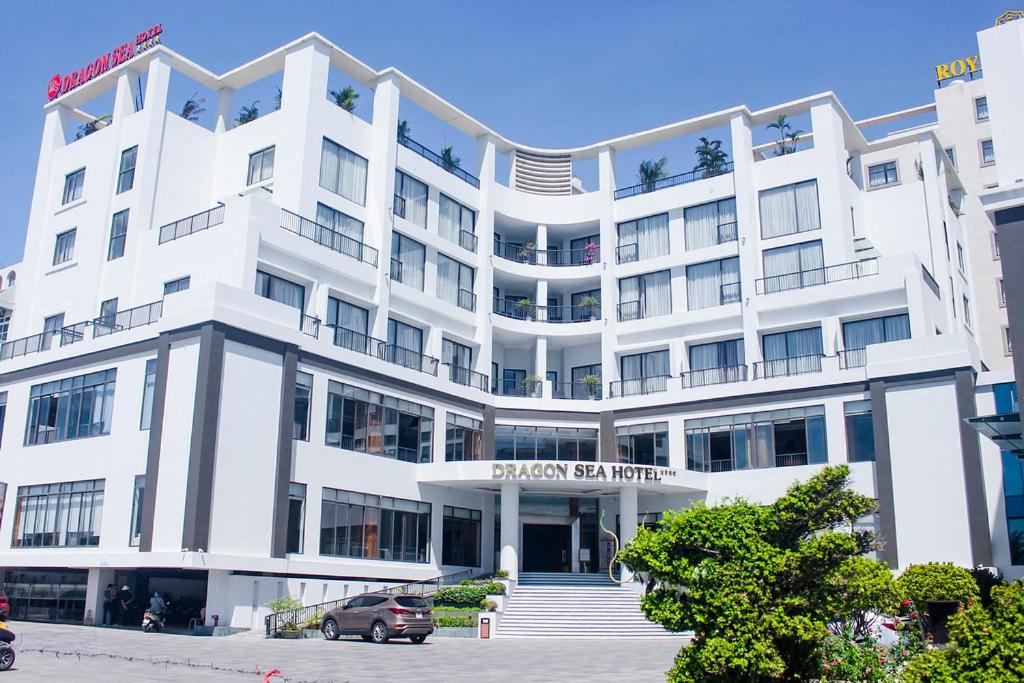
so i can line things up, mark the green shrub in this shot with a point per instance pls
(455, 621)
(284, 604)
(920, 583)
(469, 595)
(985, 645)
(501, 574)
(986, 582)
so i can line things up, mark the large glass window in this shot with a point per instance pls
(138, 491)
(643, 238)
(278, 289)
(369, 422)
(303, 395)
(410, 199)
(858, 334)
(459, 359)
(71, 408)
(148, 389)
(296, 517)
(860, 431)
(178, 285)
(645, 296)
(521, 442)
(883, 174)
(463, 438)
(645, 444)
(58, 515)
(261, 166)
(346, 234)
(64, 247)
(118, 235)
(126, 171)
(792, 353)
(713, 283)
(349, 323)
(454, 219)
(343, 172)
(73, 184)
(776, 438)
(460, 538)
(643, 373)
(407, 259)
(709, 224)
(585, 250)
(716, 363)
(789, 209)
(455, 282)
(405, 344)
(374, 527)
(793, 267)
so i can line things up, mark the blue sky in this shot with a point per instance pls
(543, 73)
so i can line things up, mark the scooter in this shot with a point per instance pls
(6, 651)
(152, 622)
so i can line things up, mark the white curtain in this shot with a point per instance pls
(797, 265)
(897, 327)
(700, 223)
(632, 366)
(860, 333)
(649, 234)
(656, 364)
(415, 194)
(656, 294)
(343, 172)
(447, 279)
(704, 357)
(778, 212)
(412, 254)
(703, 285)
(449, 219)
(405, 336)
(329, 166)
(807, 206)
(629, 291)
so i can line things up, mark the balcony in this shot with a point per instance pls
(580, 391)
(524, 388)
(638, 310)
(627, 253)
(466, 240)
(853, 358)
(639, 386)
(672, 181)
(192, 224)
(466, 299)
(558, 258)
(546, 314)
(378, 348)
(436, 158)
(127, 319)
(326, 237)
(467, 377)
(309, 325)
(399, 206)
(787, 367)
(852, 270)
(709, 376)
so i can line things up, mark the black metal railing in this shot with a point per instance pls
(355, 341)
(468, 378)
(327, 237)
(790, 459)
(192, 224)
(672, 181)
(785, 367)
(399, 206)
(729, 293)
(430, 155)
(852, 270)
(309, 325)
(638, 386)
(528, 388)
(26, 345)
(632, 310)
(853, 358)
(728, 232)
(396, 269)
(467, 240)
(722, 375)
(127, 319)
(577, 390)
(524, 310)
(466, 299)
(627, 253)
(408, 358)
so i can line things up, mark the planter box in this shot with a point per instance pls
(455, 632)
(500, 600)
(312, 633)
(289, 635)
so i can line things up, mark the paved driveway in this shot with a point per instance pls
(48, 652)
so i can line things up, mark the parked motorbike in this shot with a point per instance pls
(153, 622)
(6, 651)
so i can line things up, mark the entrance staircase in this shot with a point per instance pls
(575, 606)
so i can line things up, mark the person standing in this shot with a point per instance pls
(124, 599)
(109, 596)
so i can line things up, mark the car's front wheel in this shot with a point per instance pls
(331, 629)
(379, 632)
(418, 639)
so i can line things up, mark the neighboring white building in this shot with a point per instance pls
(305, 355)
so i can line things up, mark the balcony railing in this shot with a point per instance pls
(853, 358)
(192, 224)
(546, 314)
(26, 345)
(127, 319)
(408, 358)
(708, 376)
(729, 293)
(467, 377)
(627, 253)
(559, 258)
(576, 390)
(672, 181)
(817, 276)
(309, 325)
(355, 341)
(639, 386)
(635, 310)
(467, 300)
(70, 334)
(396, 269)
(454, 169)
(327, 237)
(785, 367)
(790, 459)
(528, 388)
(728, 232)
(467, 240)
(399, 206)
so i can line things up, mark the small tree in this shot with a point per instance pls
(449, 161)
(786, 144)
(759, 584)
(249, 112)
(651, 171)
(711, 160)
(345, 98)
(193, 107)
(403, 130)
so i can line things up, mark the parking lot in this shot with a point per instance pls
(73, 653)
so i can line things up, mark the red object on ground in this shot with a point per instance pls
(272, 672)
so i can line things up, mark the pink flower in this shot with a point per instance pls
(906, 603)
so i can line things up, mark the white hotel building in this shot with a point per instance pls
(304, 355)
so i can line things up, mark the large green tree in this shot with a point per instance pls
(760, 584)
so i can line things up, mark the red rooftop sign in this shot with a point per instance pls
(60, 85)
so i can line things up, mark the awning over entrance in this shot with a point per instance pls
(1004, 430)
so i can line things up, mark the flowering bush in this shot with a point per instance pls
(844, 659)
(920, 583)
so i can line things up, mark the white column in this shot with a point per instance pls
(627, 521)
(609, 285)
(540, 365)
(225, 98)
(380, 191)
(748, 224)
(574, 561)
(126, 94)
(509, 560)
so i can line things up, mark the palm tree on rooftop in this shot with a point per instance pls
(651, 171)
(193, 107)
(449, 161)
(711, 160)
(345, 98)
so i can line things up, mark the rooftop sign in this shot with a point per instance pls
(1009, 15)
(61, 85)
(958, 67)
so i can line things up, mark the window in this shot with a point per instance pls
(988, 153)
(645, 444)
(179, 285)
(407, 259)
(793, 267)
(349, 323)
(58, 515)
(945, 238)
(148, 389)
(3, 415)
(995, 246)
(460, 537)
(118, 235)
(108, 313)
(714, 283)
(71, 408)
(1001, 293)
(789, 209)
(370, 422)
(455, 283)
(860, 432)
(346, 234)
(716, 363)
(522, 442)
(261, 166)
(585, 250)
(52, 326)
(139, 490)
(374, 527)
(884, 174)
(73, 184)
(643, 238)
(951, 155)
(278, 289)
(775, 438)
(463, 439)
(459, 359)
(709, 224)
(981, 108)
(343, 172)
(64, 247)
(586, 305)
(792, 353)
(581, 387)
(406, 344)
(303, 394)
(645, 296)
(643, 373)
(296, 517)
(454, 220)
(126, 172)
(5, 323)
(858, 334)
(410, 199)
(1007, 344)
(960, 257)
(967, 312)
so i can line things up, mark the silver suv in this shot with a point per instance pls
(379, 618)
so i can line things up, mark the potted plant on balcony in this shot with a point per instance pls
(592, 304)
(527, 251)
(593, 385)
(403, 130)
(711, 159)
(449, 161)
(591, 253)
(526, 307)
(651, 171)
(786, 144)
(193, 107)
(530, 385)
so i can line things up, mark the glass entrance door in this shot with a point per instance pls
(547, 548)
